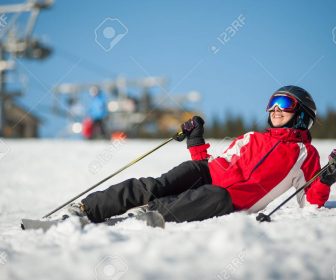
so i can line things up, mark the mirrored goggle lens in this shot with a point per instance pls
(283, 102)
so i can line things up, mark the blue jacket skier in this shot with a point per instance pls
(98, 113)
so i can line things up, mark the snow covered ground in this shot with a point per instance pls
(39, 175)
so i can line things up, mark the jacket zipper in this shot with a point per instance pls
(258, 164)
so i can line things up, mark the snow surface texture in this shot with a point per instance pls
(39, 175)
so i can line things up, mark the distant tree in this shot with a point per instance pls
(215, 128)
(325, 126)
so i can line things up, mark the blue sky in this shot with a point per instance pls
(279, 43)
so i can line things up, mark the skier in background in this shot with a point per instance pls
(97, 113)
(255, 169)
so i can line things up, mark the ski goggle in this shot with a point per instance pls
(285, 102)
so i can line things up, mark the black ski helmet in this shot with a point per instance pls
(305, 113)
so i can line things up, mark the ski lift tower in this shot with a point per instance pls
(13, 45)
(123, 113)
(136, 107)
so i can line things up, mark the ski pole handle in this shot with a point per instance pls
(179, 136)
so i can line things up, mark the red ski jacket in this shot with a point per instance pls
(258, 167)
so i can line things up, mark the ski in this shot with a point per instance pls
(152, 219)
(28, 224)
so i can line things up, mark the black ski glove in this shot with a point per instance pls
(328, 177)
(194, 131)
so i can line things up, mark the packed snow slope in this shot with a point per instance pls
(39, 175)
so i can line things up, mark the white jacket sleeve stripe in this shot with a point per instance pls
(289, 181)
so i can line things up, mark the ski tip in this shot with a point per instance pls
(153, 219)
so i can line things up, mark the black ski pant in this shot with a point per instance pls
(182, 194)
(98, 130)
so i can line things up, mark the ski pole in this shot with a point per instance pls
(112, 175)
(262, 217)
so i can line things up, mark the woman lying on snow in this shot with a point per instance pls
(255, 169)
